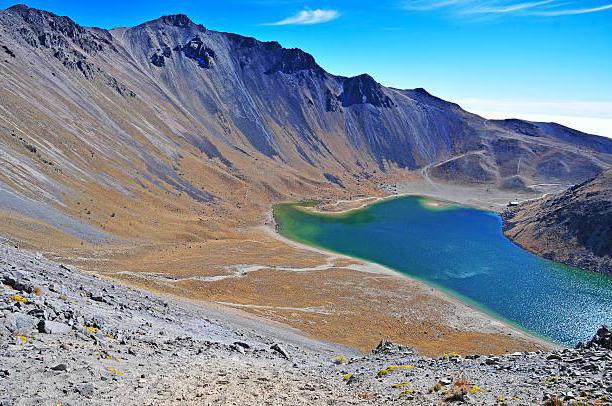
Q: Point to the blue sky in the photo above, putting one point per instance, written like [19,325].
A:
[534,59]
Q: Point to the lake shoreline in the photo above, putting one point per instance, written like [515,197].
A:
[373,267]
[370,201]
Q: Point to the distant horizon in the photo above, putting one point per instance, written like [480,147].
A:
[496,58]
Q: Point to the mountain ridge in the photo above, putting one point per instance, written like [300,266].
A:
[129,109]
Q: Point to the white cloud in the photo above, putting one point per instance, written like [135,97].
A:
[424,5]
[574,11]
[543,8]
[508,8]
[308,17]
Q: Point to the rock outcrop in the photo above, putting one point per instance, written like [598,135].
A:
[573,227]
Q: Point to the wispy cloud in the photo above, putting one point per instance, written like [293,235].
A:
[507,8]
[574,11]
[544,8]
[308,17]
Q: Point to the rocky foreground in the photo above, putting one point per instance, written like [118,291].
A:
[71,338]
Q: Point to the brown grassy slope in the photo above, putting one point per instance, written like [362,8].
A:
[573,227]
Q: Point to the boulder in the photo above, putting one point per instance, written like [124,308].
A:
[601,339]
[53,327]
[86,390]
[280,350]
[20,324]
[18,281]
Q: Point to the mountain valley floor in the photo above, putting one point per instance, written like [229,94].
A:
[329,297]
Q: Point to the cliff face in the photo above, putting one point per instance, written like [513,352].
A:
[170,108]
[573,227]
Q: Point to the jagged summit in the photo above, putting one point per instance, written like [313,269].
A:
[40,17]
[292,60]
[18,7]
[363,89]
[174,20]
[177,20]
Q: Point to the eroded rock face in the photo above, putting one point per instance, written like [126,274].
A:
[258,100]
[159,57]
[48,30]
[363,89]
[293,60]
[332,104]
[196,50]
[67,41]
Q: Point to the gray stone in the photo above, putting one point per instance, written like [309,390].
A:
[21,324]
[445,381]
[53,327]
[86,390]
[18,281]
[280,350]
[60,367]
[492,361]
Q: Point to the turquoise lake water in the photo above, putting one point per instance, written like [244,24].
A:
[463,252]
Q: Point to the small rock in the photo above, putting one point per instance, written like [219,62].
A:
[445,381]
[18,281]
[237,348]
[241,344]
[100,299]
[60,367]
[86,390]
[492,361]
[280,350]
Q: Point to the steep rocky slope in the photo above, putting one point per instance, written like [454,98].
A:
[573,227]
[169,110]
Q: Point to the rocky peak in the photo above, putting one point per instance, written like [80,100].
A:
[363,89]
[292,60]
[42,20]
[47,30]
[177,20]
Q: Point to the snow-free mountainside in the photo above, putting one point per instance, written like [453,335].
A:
[151,156]
[573,227]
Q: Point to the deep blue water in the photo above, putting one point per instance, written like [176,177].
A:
[464,252]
